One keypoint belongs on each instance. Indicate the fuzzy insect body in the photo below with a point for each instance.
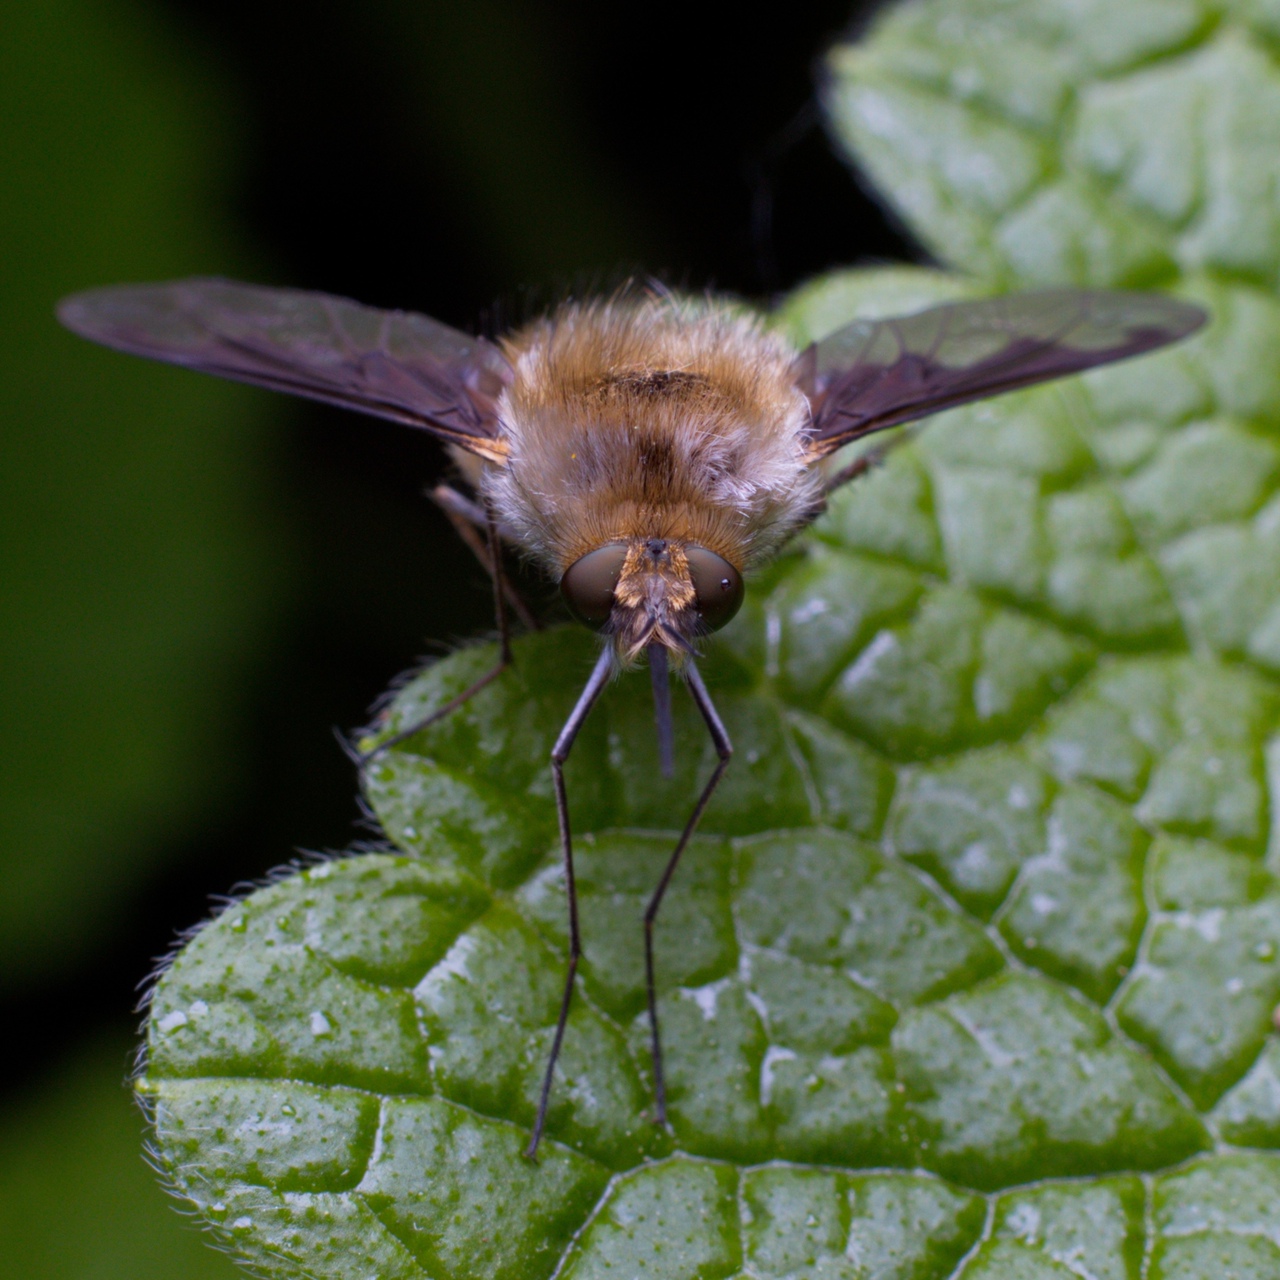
(655, 421)
(647, 450)
(662, 419)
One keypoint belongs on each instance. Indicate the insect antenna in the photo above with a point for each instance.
(660, 678)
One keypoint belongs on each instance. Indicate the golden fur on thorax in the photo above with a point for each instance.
(651, 418)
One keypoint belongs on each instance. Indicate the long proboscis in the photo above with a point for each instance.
(659, 676)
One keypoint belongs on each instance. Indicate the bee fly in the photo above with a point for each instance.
(647, 450)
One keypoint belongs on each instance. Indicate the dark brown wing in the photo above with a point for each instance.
(876, 374)
(393, 364)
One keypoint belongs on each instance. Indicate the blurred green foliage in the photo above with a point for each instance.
(76, 1200)
(139, 560)
(495, 115)
(140, 568)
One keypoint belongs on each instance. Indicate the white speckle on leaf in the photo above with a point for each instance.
(453, 965)
(976, 857)
(881, 647)
(875, 113)
(995, 1053)
(809, 610)
(581, 1092)
(772, 1055)
(1018, 797)
(1024, 1222)
(1208, 924)
(320, 1025)
(772, 643)
(756, 1001)
(172, 1021)
(705, 998)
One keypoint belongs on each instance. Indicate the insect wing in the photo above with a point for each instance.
(877, 373)
(392, 364)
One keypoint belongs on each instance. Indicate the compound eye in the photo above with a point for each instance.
(717, 584)
(589, 582)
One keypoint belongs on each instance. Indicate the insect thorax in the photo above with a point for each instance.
(652, 418)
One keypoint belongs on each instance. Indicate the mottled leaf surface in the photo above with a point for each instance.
(973, 967)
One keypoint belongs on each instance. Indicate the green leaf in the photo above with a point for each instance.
(973, 963)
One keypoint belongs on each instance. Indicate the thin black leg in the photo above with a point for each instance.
(559, 754)
(466, 517)
(724, 749)
(458, 504)
(867, 461)
(504, 661)
(499, 595)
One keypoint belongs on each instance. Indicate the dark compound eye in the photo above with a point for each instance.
(717, 584)
(588, 584)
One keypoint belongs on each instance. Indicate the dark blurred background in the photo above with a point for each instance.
(198, 582)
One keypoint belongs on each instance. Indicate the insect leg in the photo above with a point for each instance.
(504, 661)
(466, 517)
(662, 708)
(559, 754)
(865, 462)
(457, 504)
(724, 749)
